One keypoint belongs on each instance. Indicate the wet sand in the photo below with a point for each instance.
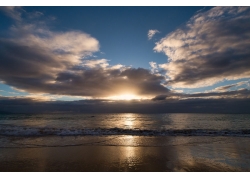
(150, 154)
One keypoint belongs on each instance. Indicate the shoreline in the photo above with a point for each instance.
(191, 154)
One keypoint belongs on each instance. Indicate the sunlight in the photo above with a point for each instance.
(125, 97)
(129, 120)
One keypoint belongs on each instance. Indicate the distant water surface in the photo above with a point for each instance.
(125, 124)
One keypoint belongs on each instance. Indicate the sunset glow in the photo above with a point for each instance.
(111, 62)
(113, 87)
(125, 97)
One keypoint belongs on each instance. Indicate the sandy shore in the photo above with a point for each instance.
(177, 154)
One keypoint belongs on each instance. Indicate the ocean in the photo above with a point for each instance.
(222, 139)
(125, 124)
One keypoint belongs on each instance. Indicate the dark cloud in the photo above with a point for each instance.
(38, 60)
(24, 105)
(106, 82)
(213, 46)
(25, 61)
(36, 69)
(237, 94)
(160, 97)
(241, 93)
(225, 88)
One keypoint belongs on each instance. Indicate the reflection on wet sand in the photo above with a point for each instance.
(160, 154)
(128, 153)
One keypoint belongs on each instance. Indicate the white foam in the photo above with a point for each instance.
(10, 130)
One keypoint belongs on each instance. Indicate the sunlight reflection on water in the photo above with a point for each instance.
(129, 120)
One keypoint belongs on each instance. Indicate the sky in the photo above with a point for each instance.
(125, 59)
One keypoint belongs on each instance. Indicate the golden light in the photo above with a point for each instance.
(124, 97)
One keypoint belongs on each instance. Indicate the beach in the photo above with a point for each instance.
(124, 89)
(125, 153)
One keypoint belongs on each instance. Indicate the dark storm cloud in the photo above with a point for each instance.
(213, 46)
(38, 60)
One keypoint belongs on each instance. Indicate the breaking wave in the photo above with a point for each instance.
(9, 130)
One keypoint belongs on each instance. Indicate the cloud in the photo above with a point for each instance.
(38, 60)
(14, 12)
(154, 67)
(225, 88)
(38, 70)
(100, 63)
(240, 94)
(213, 46)
(151, 33)
(102, 82)
(28, 105)
(220, 94)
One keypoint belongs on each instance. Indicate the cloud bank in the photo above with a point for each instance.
(212, 46)
(39, 60)
(224, 105)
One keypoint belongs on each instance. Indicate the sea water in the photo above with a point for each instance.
(173, 142)
(125, 124)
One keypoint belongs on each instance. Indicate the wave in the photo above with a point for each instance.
(9, 130)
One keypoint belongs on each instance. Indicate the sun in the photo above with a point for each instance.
(125, 97)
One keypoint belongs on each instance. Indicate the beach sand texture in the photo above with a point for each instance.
(125, 153)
